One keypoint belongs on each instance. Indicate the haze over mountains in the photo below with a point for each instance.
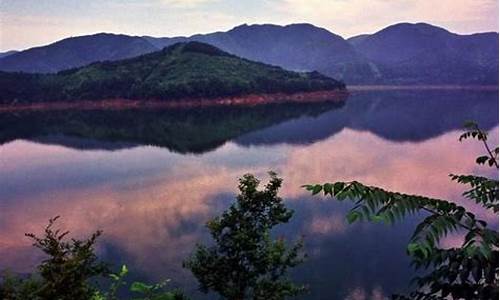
(399, 54)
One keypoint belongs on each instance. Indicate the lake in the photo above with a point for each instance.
(150, 179)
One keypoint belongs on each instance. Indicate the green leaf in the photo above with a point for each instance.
(140, 287)
(165, 296)
(114, 277)
(123, 271)
(328, 189)
(316, 189)
(338, 187)
(412, 248)
(352, 216)
(308, 187)
(481, 160)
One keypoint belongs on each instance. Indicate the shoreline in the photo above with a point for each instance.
(425, 87)
(124, 104)
(245, 100)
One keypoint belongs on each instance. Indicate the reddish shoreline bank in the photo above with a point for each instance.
(122, 104)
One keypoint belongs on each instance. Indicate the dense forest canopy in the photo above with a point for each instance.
(183, 70)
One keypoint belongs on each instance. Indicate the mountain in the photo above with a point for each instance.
(399, 54)
(425, 54)
(183, 70)
(355, 40)
(7, 53)
(299, 47)
(296, 47)
(76, 52)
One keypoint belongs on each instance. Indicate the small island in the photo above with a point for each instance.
(186, 73)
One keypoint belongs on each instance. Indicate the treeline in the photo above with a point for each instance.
(190, 70)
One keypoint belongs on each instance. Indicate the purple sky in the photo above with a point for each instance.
(28, 23)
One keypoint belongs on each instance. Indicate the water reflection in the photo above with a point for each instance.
(395, 115)
(152, 202)
(183, 130)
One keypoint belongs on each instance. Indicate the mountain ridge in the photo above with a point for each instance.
(362, 59)
(181, 71)
(409, 53)
(75, 52)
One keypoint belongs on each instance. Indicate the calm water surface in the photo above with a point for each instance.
(151, 179)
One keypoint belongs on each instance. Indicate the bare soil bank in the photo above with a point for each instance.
(122, 104)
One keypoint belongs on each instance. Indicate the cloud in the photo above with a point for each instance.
(187, 3)
(32, 22)
(26, 28)
(156, 195)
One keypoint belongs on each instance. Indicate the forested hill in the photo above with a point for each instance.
(400, 54)
(183, 70)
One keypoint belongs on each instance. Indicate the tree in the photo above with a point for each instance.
(68, 270)
(466, 272)
(246, 263)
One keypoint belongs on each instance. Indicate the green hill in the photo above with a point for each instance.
(183, 70)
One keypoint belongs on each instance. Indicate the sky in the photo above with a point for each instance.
(28, 23)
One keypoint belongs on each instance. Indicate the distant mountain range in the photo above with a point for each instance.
(422, 53)
(181, 71)
(399, 54)
(7, 53)
(298, 47)
(76, 52)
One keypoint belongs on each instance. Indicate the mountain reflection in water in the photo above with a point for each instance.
(183, 130)
(152, 202)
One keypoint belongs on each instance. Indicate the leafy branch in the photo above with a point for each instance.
(466, 272)
(378, 205)
(472, 130)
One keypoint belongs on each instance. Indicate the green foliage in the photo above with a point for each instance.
(69, 266)
(67, 272)
(117, 281)
(184, 70)
(466, 272)
(14, 288)
(154, 291)
(483, 190)
(142, 290)
(246, 263)
(473, 131)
